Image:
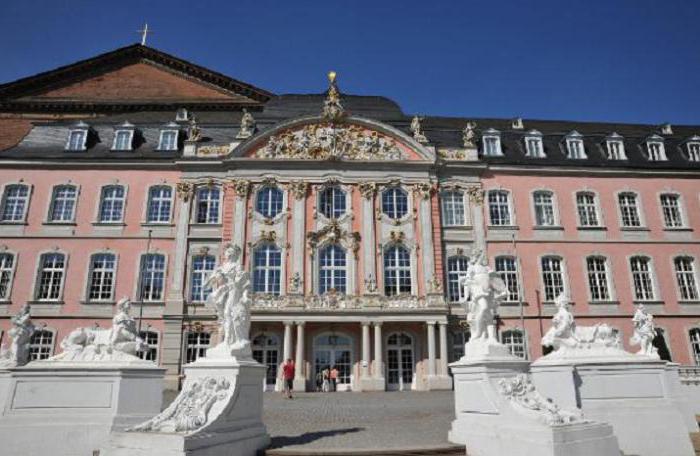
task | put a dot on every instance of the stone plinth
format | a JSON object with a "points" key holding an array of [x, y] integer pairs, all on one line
{"points": [[218, 412], [372, 384], [490, 423], [68, 409], [633, 393]]}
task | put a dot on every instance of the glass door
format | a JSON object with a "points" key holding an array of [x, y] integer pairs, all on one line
{"points": [[399, 362]]}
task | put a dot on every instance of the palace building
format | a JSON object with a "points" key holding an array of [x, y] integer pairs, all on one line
{"points": [[128, 173]]}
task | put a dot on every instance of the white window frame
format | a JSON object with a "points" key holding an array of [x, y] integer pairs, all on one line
{"points": [[345, 198], [270, 288], [269, 202], [690, 280], [26, 199], [127, 128], [512, 347], [534, 137], [680, 208], [504, 275], [40, 268], [453, 275], [80, 128], [652, 279], [491, 135], [141, 279], [575, 148], [618, 140], [102, 200], [554, 208], [203, 275], [562, 272], [147, 207], [692, 149], [607, 279], [335, 272], [394, 202], [53, 201], [452, 202], [637, 207], [508, 204], [199, 348], [400, 269], [8, 273], [144, 334], [169, 129], [694, 344], [210, 217], [596, 209], [91, 271], [658, 141]]}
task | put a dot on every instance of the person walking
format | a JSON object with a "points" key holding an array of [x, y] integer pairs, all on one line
{"points": [[319, 381], [288, 372], [334, 379], [326, 380]]}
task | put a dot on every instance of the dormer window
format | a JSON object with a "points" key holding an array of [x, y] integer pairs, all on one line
{"points": [[168, 137], [615, 147], [491, 141], [77, 138], [182, 115], [693, 149], [655, 149], [574, 146], [123, 137], [533, 144]]}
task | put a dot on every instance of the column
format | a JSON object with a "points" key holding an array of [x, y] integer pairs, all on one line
{"points": [[378, 367], [431, 348], [443, 348], [365, 349], [299, 380], [287, 347]]}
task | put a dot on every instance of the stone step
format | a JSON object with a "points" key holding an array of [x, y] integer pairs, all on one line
{"points": [[449, 450]]}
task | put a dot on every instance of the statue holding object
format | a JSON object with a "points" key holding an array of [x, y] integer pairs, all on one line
{"points": [[644, 332], [21, 334]]}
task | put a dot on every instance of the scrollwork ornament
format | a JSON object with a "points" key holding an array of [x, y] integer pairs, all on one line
{"points": [[241, 187], [424, 190], [367, 189], [476, 195], [299, 189], [184, 190]]}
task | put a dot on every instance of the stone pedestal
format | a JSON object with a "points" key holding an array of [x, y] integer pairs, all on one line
{"points": [[226, 418], [372, 384], [630, 392], [439, 382], [489, 423], [69, 409]]}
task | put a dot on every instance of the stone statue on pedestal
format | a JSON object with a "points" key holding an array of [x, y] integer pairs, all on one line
{"points": [[120, 343], [21, 334], [247, 125], [468, 135], [231, 299], [644, 332], [194, 133], [562, 332], [417, 130]]}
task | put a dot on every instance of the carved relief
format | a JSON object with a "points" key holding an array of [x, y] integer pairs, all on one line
{"points": [[367, 189], [397, 236], [329, 142], [299, 189], [295, 283], [184, 190], [476, 195], [424, 189], [241, 187], [337, 301], [217, 151], [527, 401], [334, 233]]}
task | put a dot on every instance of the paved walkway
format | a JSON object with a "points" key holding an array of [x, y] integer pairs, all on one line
{"points": [[360, 421]]}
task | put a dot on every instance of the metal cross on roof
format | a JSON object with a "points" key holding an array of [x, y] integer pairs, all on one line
{"points": [[144, 33]]}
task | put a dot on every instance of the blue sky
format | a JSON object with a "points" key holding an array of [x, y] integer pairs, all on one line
{"points": [[607, 60]]}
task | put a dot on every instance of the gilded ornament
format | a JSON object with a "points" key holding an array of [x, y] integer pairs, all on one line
{"points": [[332, 108], [241, 188], [299, 189], [367, 189], [424, 189], [184, 190]]}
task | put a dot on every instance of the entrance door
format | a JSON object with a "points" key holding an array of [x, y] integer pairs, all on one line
{"points": [[399, 362], [334, 350], [266, 352]]}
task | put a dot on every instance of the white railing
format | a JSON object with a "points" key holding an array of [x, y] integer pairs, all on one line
{"points": [[337, 301]]}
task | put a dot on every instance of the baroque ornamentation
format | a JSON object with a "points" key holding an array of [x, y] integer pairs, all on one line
{"points": [[483, 291], [367, 189], [21, 334], [332, 109], [218, 151], [527, 401], [295, 283], [424, 189], [241, 187], [339, 301], [268, 236], [184, 190], [644, 332], [247, 125], [299, 189], [334, 233], [476, 195], [468, 135], [194, 133], [417, 130], [370, 284], [397, 236], [191, 409], [120, 343], [435, 284], [331, 142]]}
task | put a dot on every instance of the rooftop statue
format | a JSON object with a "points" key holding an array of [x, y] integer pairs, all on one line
{"points": [[194, 133], [120, 343], [231, 299], [247, 125], [644, 332], [332, 109], [21, 334], [468, 135], [417, 130]]}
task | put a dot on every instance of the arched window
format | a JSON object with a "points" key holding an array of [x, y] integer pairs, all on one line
{"points": [[197, 344], [159, 204], [52, 269], [103, 268], [63, 201], [499, 208], [552, 277], [686, 278], [507, 266], [7, 264], [587, 208], [395, 203], [152, 277], [642, 278], [332, 202], [453, 208], [694, 335], [514, 339], [267, 269], [543, 202], [41, 344], [15, 201], [397, 271], [269, 201], [202, 266], [456, 269], [598, 278], [111, 204], [332, 269], [150, 338], [208, 205]]}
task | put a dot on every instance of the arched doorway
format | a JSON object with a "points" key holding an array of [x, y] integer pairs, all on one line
{"points": [[266, 351], [399, 361], [333, 349]]}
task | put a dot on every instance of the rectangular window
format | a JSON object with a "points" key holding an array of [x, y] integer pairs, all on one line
{"points": [[694, 335], [587, 209], [51, 272], [112, 204], [63, 203], [575, 148], [656, 151], [616, 150], [685, 277], [168, 140], [197, 344], [150, 338], [508, 268], [544, 208], [456, 269], [671, 207], [14, 203], [152, 277], [453, 208], [499, 207], [552, 277], [122, 140], [629, 212], [76, 140], [202, 267], [208, 205], [102, 275], [41, 345], [515, 341], [492, 146], [159, 203], [598, 279], [642, 279], [6, 268], [694, 151]]}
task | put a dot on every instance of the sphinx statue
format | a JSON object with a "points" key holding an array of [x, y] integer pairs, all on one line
{"points": [[644, 332], [21, 334]]}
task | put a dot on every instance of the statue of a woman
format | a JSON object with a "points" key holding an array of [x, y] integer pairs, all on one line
{"points": [[644, 332], [563, 330], [21, 334], [483, 291]]}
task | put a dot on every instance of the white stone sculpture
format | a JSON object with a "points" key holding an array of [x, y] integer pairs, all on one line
{"points": [[417, 130], [332, 109], [21, 334], [644, 332], [120, 343], [468, 135], [231, 298], [562, 332], [528, 401], [247, 125], [194, 133], [190, 409]]}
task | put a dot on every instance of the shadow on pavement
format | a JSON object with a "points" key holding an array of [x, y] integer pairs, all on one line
{"points": [[308, 437]]}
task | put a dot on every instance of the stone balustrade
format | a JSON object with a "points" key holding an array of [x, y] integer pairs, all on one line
{"points": [[331, 301]]}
